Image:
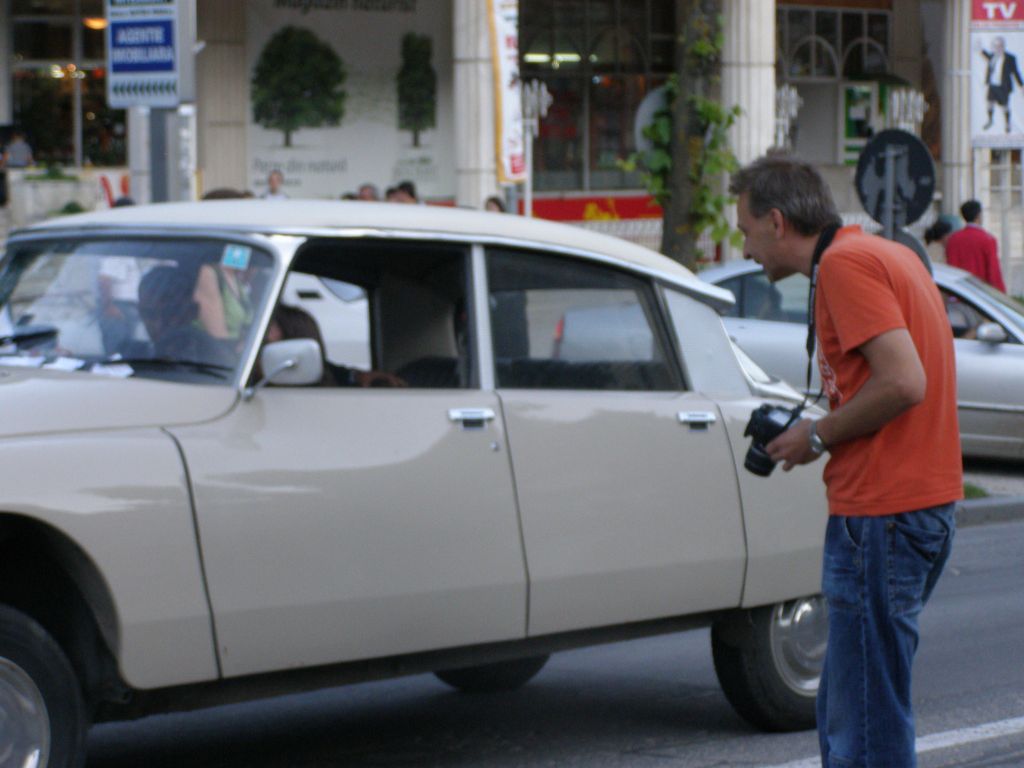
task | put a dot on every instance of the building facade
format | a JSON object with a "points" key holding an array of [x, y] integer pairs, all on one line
{"points": [[392, 90]]}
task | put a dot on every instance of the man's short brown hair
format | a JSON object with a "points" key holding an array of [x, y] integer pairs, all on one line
{"points": [[792, 186]]}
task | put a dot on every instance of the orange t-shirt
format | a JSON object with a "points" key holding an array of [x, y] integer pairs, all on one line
{"points": [[866, 286]]}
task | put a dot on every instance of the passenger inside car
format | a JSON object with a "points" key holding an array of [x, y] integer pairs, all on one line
{"points": [[294, 323], [168, 311]]}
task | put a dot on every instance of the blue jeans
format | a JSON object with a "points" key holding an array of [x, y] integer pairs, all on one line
{"points": [[878, 574]]}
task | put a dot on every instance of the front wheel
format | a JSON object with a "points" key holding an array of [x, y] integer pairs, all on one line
{"points": [[769, 660], [499, 676], [42, 717]]}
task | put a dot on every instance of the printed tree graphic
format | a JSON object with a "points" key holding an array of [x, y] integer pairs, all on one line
{"points": [[297, 83], [417, 86]]}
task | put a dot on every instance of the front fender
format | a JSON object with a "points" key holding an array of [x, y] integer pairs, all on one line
{"points": [[122, 498]]}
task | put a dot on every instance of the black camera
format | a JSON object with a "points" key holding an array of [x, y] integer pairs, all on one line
{"points": [[766, 423]]}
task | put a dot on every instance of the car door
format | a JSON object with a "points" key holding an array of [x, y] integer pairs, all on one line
{"points": [[341, 523], [626, 485], [989, 374]]}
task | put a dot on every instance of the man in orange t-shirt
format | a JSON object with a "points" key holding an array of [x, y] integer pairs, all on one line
{"points": [[885, 352]]}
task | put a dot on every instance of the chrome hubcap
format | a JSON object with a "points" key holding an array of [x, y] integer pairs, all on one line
{"points": [[799, 634], [23, 719]]}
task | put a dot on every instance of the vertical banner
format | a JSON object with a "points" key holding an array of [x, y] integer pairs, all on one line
{"points": [[503, 18], [997, 86]]}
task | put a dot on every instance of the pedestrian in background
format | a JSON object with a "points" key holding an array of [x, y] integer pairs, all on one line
{"points": [[974, 249], [368, 191], [17, 153], [494, 204], [935, 238], [275, 180], [885, 353]]}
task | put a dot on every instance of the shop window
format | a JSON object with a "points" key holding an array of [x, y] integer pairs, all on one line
{"points": [[599, 59], [59, 83]]}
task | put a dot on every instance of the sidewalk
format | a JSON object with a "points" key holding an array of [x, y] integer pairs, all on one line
{"points": [[1005, 501], [994, 509]]}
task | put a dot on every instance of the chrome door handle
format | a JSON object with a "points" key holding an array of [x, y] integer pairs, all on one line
{"points": [[697, 419], [471, 418]]}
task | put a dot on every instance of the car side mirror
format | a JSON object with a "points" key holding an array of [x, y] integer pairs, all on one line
{"points": [[993, 333], [290, 363]]}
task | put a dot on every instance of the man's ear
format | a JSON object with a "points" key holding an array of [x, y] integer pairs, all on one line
{"points": [[778, 223]]}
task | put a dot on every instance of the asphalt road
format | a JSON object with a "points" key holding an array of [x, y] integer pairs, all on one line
{"points": [[644, 703]]}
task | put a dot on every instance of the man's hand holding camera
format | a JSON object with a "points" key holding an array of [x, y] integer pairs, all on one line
{"points": [[794, 446]]}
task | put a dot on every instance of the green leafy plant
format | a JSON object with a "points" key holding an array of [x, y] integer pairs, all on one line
{"points": [[297, 83], [53, 172], [691, 128], [972, 491]]}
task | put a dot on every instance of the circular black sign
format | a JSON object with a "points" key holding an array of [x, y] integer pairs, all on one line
{"points": [[914, 176]]}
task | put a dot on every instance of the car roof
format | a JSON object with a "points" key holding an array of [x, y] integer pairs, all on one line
{"points": [[719, 272], [324, 217]]}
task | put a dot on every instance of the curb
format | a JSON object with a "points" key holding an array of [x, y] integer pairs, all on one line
{"points": [[992, 509]]}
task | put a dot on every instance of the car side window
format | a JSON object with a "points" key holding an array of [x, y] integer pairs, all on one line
{"points": [[964, 317], [757, 298], [557, 323], [386, 313]]}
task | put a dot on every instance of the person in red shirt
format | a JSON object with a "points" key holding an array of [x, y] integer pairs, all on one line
{"points": [[885, 353], [974, 249]]}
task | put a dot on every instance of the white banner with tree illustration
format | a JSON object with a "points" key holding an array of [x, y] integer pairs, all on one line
{"points": [[344, 92]]}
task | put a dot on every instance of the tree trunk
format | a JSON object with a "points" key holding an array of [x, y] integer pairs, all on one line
{"points": [[287, 138], [696, 20]]}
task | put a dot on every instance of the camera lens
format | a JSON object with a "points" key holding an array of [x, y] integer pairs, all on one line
{"points": [[758, 462]]}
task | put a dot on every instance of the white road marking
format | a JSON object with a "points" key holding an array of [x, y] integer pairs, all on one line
{"points": [[943, 740]]}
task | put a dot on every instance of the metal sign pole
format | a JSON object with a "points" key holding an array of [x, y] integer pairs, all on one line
{"points": [[536, 101]]}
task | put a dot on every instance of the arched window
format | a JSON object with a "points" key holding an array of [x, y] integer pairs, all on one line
{"points": [[864, 56], [813, 57], [821, 44]]}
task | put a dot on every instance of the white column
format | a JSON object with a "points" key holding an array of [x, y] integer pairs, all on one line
{"points": [[475, 169], [139, 155], [957, 166], [748, 79]]}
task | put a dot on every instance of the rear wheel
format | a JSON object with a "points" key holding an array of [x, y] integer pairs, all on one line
{"points": [[499, 676], [769, 660], [41, 712]]}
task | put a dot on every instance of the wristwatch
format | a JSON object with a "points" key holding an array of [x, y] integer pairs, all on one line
{"points": [[818, 446]]}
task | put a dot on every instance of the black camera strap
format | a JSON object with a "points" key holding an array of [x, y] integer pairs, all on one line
{"points": [[824, 241]]}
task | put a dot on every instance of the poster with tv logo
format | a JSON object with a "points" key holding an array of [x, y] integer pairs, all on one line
{"points": [[997, 81]]}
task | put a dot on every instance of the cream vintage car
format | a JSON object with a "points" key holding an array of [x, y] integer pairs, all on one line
{"points": [[195, 511]]}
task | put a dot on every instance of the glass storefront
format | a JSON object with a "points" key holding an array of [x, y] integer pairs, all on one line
{"points": [[59, 83], [598, 58]]}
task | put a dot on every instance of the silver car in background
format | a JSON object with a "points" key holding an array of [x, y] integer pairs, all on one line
{"points": [[770, 323]]}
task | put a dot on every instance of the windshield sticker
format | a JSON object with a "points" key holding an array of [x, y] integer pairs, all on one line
{"points": [[65, 364], [236, 256]]}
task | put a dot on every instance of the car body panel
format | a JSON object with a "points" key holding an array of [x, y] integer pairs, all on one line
{"points": [[122, 497], [990, 395], [784, 517], [340, 524], [621, 519], [37, 402]]}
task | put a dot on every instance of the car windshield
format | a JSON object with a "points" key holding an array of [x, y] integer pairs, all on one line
{"points": [[1015, 309], [174, 309]]}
